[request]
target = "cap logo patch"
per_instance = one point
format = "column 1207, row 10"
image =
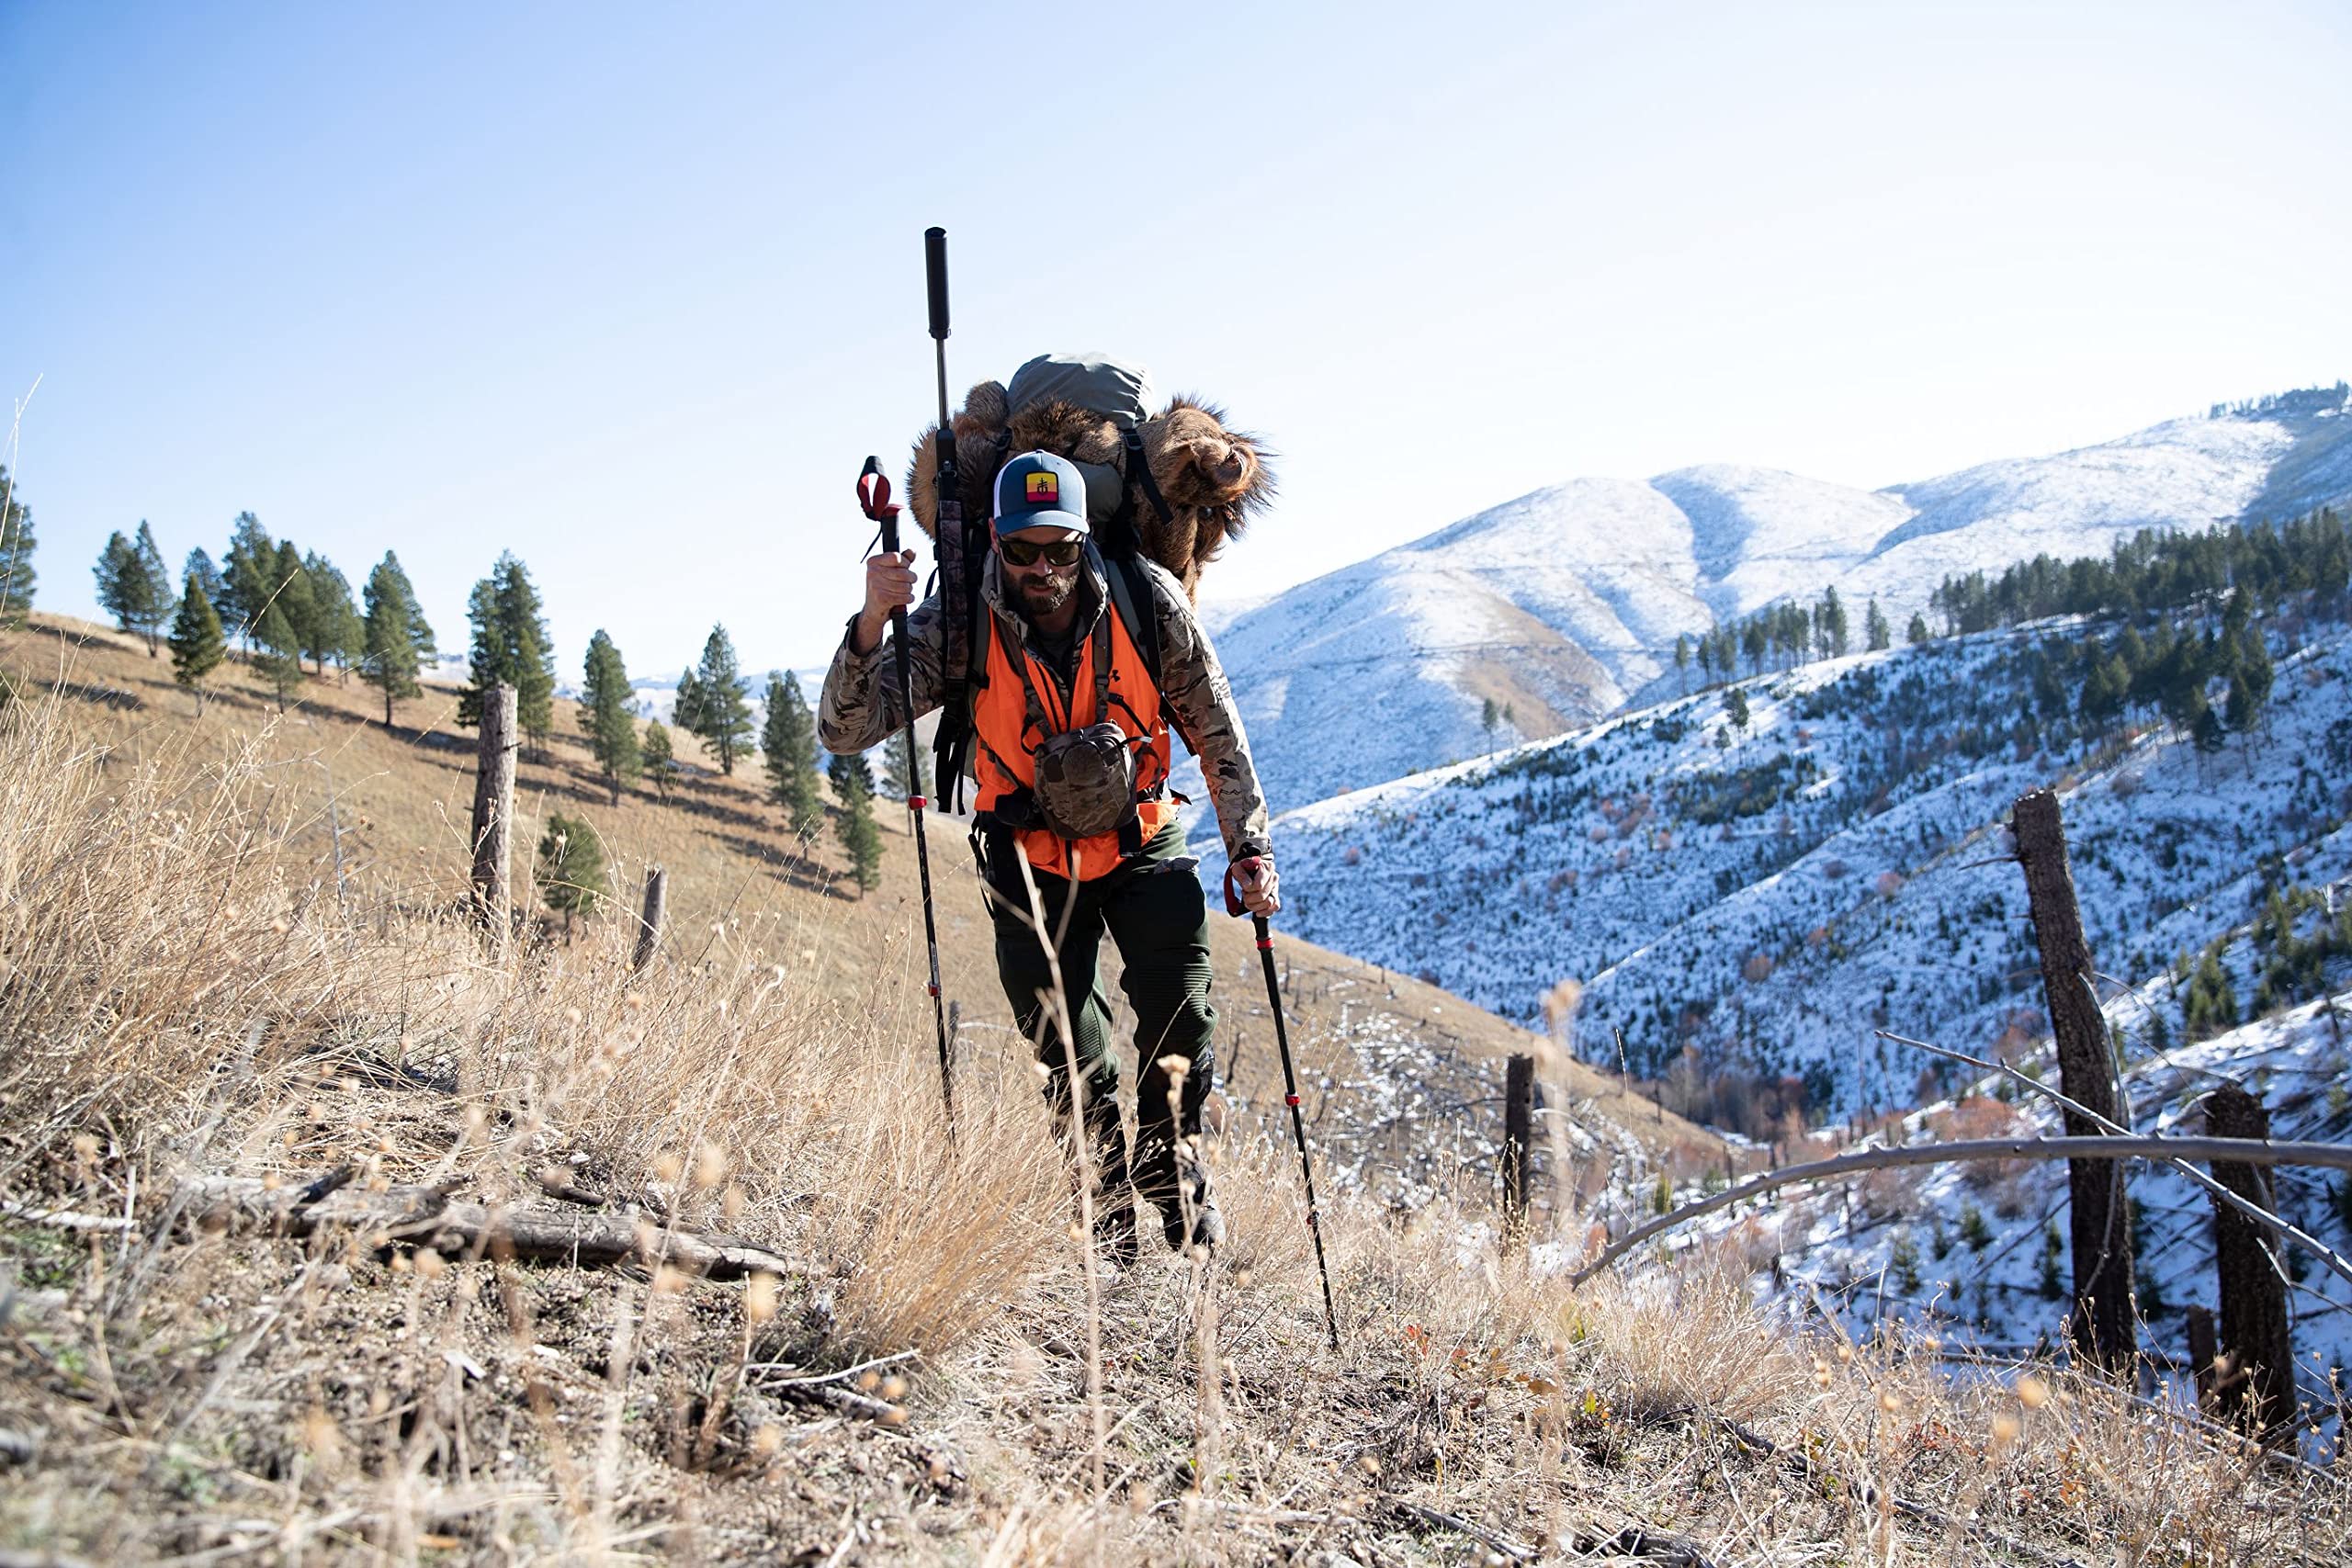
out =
column 1044, row 486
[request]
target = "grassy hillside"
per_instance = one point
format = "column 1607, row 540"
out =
column 334, row 1362
column 1396, row 1074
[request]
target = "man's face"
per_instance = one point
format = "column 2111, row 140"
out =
column 1026, row 558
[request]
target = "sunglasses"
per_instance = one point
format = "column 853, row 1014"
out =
column 1061, row 553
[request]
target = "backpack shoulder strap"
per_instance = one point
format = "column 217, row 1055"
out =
column 1130, row 597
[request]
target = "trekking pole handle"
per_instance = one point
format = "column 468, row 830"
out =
column 934, row 268
column 873, row 500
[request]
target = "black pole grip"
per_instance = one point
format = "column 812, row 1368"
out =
column 934, row 267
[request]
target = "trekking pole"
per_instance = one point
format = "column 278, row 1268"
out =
column 874, row 496
column 1290, row 1097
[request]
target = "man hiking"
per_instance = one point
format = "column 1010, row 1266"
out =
column 1072, row 759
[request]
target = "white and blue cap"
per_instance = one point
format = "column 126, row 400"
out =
column 1038, row 489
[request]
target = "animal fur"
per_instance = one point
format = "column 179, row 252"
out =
column 1215, row 479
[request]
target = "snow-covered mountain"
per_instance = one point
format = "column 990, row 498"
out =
column 1564, row 605
column 1767, row 896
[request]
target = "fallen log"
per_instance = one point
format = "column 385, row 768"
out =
column 2336, row 1156
column 428, row 1217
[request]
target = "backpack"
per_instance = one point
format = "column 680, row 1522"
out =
column 1090, row 408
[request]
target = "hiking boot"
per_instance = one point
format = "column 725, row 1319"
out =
column 1198, row 1194
column 1115, row 1230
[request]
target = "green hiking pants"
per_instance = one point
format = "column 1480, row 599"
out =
column 1153, row 908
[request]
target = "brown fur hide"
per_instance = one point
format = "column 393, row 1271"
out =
column 1214, row 477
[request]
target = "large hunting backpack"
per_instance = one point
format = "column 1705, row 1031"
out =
column 1168, row 486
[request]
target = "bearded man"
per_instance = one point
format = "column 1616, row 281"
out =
column 1070, row 760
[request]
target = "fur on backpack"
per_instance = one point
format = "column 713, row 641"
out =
column 1214, row 477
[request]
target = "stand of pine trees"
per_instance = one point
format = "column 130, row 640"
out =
column 135, row 587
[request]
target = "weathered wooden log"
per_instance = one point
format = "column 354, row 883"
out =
column 2332, row 1156
column 428, row 1217
column 494, row 813
column 2204, row 1350
column 2257, row 1349
column 2102, row 1323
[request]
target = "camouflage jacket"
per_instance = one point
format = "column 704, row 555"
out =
column 859, row 708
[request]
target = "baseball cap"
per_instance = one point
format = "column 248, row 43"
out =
column 1038, row 489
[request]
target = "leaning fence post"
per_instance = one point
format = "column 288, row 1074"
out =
column 494, row 814
column 649, row 919
column 2256, row 1379
column 2102, row 1323
column 1518, row 1125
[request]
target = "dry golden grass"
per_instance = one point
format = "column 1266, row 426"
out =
column 187, row 990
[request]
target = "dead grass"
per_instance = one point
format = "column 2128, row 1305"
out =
column 187, row 987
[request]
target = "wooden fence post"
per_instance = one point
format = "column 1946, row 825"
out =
column 2255, row 1379
column 649, row 919
column 2104, row 1332
column 2203, row 1350
column 1519, row 1126
column 494, row 814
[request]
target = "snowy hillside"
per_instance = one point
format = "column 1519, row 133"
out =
column 1766, row 896
column 1564, row 605
column 1980, row 1249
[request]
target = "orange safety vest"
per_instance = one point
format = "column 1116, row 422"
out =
column 1006, row 760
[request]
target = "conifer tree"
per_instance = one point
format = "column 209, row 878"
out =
column 571, row 871
column 394, row 641
column 278, row 651
column 1829, row 625
column 16, row 544
column 722, row 713
column 1683, row 661
column 1488, row 715
column 1876, row 634
column 126, row 591
column 607, row 714
column 510, row 644
column 655, row 752
column 248, row 577
column 1917, row 632
column 852, row 782
column 1735, row 707
column 333, row 629
column 293, row 594
column 789, row 741
column 197, row 645
column 199, row 568
column 901, row 772
column 686, row 707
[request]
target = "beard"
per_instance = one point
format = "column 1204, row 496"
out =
column 1042, row 596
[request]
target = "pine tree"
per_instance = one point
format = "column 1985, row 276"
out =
column 789, row 741
column 722, row 713
column 901, row 772
column 201, row 569
column 655, row 752
column 333, row 629
column 607, row 714
column 1683, row 661
column 1917, row 632
column 248, row 577
column 135, row 587
column 1488, row 715
column 16, row 545
column 124, row 589
column 510, row 644
column 1735, row 707
column 571, row 872
column 685, row 706
column 197, row 645
column 1829, row 625
column 853, row 787
column 278, row 651
column 394, row 640
column 1877, row 635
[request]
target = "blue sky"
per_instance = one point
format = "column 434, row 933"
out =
column 633, row 290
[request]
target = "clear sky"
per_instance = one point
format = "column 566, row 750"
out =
column 632, row 290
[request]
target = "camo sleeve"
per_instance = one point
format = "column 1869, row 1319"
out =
column 859, row 708
column 1200, row 703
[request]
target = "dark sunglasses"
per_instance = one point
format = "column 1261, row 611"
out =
column 1023, row 552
